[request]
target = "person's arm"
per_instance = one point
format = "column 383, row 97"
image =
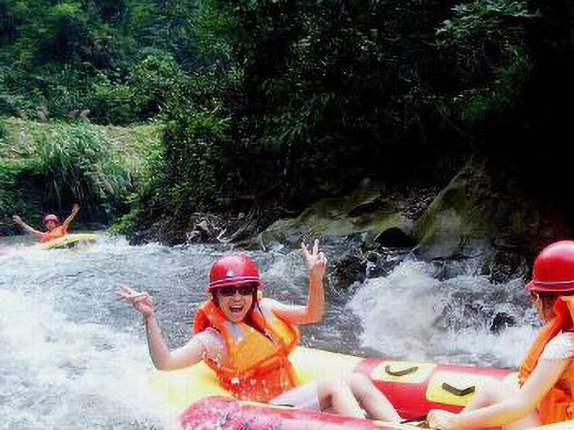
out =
column 542, row 379
column 26, row 227
column 162, row 358
column 313, row 311
column 71, row 217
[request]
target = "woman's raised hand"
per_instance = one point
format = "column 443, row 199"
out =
column 142, row 302
column 17, row 220
column 315, row 260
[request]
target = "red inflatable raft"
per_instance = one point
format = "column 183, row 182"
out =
column 414, row 388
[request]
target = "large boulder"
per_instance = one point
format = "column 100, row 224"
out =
column 482, row 218
column 368, row 212
column 481, row 223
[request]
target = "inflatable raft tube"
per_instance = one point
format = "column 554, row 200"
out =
column 414, row 388
column 70, row 241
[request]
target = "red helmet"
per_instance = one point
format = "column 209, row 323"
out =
column 51, row 217
column 233, row 270
column 554, row 268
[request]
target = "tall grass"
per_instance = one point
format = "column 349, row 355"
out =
column 46, row 167
column 79, row 158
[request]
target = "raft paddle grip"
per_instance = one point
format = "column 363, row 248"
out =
column 403, row 372
column 457, row 391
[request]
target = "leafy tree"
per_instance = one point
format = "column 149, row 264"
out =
column 67, row 55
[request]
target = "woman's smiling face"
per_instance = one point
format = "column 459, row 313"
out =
column 235, row 302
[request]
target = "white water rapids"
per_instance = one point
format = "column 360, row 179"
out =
column 73, row 357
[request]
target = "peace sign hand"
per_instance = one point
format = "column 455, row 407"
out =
column 142, row 302
column 315, row 260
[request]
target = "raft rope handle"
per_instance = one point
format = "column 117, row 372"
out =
column 403, row 372
column 458, row 392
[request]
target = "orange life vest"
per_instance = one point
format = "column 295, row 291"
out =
column 54, row 234
column 558, row 404
column 258, row 366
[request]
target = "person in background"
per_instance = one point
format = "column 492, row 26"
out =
column 54, row 229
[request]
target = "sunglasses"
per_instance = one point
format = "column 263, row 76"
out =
column 230, row 291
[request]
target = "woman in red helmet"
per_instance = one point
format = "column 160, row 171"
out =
column 545, row 393
column 53, row 228
column 247, row 339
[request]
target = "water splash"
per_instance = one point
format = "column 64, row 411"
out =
column 59, row 374
column 75, row 358
column 411, row 315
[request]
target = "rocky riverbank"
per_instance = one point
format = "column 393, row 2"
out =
column 479, row 223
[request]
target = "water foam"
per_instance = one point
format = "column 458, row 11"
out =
column 59, row 374
column 63, row 365
column 411, row 315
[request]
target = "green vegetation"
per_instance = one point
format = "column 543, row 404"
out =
column 111, row 61
column 48, row 167
column 270, row 105
column 301, row 100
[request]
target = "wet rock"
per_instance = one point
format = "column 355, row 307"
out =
column 350, row 268
column 208, row 228
column 501, row 321
column 203, row 232
column 507, row 265
column 479, row 213
column 395, row 238
column 369, row 210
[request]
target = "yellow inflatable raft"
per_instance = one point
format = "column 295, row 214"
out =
column 414, row 388
column 70, row 241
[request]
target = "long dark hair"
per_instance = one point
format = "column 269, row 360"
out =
column 545, row 300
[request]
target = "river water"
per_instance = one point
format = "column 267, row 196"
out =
column 73, row 357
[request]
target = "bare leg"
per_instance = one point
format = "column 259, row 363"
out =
column 371, row 399
column 336, row 394
column 486, row 396
column 496, row 392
